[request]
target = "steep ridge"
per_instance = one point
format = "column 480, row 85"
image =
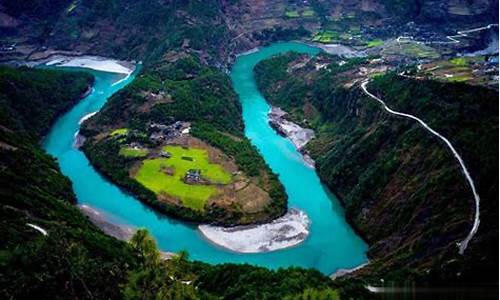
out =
column 74, row 258
column 465, row 242
column 402, row 188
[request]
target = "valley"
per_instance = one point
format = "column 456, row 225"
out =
column 357, row 139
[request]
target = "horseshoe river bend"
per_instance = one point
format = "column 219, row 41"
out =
column 331, row 244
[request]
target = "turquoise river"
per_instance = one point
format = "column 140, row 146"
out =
column 331, row 245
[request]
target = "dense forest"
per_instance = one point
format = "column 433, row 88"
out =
column 374, row 161
column 31, row 99
column 76, row 260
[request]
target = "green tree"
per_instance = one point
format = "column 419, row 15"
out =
column 313, row 294
column 156, row 279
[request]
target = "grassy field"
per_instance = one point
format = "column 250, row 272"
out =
column 153, row 174
column 132, row 152
column 410, row 49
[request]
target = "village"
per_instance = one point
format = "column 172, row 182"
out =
column 161, row 135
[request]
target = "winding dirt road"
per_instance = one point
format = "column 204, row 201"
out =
column 464, row 243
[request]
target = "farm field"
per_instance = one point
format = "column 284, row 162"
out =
column 166, row 175
column 325, row 37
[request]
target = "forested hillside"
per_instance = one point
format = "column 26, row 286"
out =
column 402, row 188
column 141, row 29
column 76, row 260
column 30, row 100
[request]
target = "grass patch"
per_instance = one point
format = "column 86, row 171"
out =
column 325, row 37
column 153, row 176
column 308, row 13
column 292, row 14
column 119, row 131
column 133, row 152
column 459, row 78
column 412, row 50
column 459, row 61
column 374, row 43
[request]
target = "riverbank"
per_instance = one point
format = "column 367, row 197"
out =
column 343, row 272
column 92, row 62
column 284, row 232
column 298, row 135
column 337, row 49
column 119, row 231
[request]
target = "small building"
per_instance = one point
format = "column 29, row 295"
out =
column 193, row 176
column 165, row 154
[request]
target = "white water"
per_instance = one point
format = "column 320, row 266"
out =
column 463, row 244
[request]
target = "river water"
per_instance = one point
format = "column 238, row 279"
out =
column 331, row 245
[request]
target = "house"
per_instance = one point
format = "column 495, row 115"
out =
column 193, row 176
column 165, row 154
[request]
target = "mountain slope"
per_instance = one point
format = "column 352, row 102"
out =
column 75, row 259
column 402, row 189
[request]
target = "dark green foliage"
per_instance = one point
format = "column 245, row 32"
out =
column 402, row 188
column 230, row 281
column 31, row 99
column 143, row 29
column 179, row 278
column 282, row 34
column 35, row 8
column 75, row 260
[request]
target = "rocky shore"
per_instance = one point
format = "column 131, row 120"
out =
column 92, row 62
column 287, row 231
column 298, row 136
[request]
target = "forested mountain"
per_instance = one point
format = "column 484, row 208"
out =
column 402, row 188
column 68, row 257
column 73, row 259
column 140, row 29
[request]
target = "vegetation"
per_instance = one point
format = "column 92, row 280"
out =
column 153, row 175
column 184, row 90
column 31, row 99
column 179, row 278
column 325, row 37
column 410, row 49
column 374, row 43
column 75, row 259
column 133, row 152
column 292, row 14
column 119, row 131
column 392, row 162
